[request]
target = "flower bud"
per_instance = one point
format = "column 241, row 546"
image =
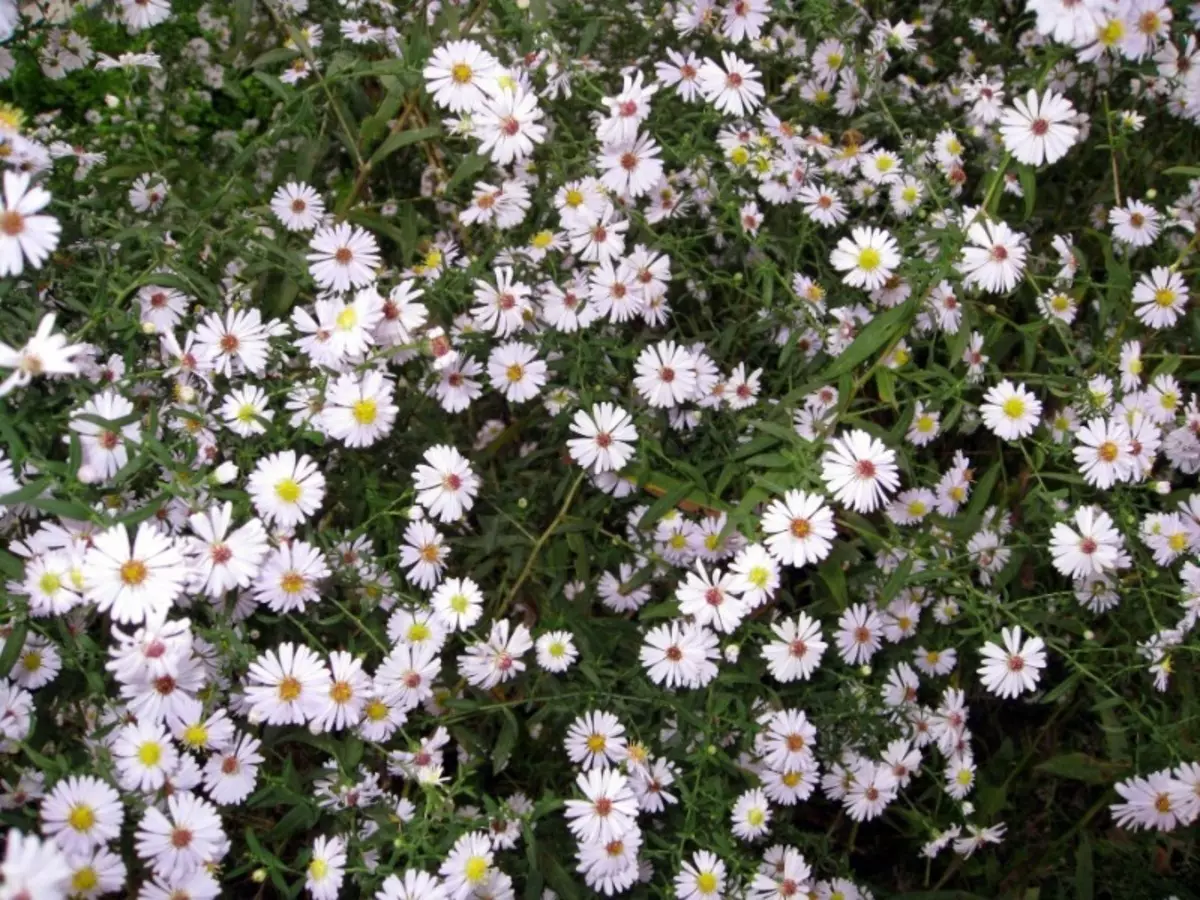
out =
column 225, row 473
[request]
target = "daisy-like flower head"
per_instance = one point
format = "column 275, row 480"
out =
column 1014, row 668
column 446, row 484
column 24, row 234
column 1092, row 547
column 798, row 528
column 868, row 258
column 606, row 436
column 286, row 489
column 860, row 471
column 1010, row 411
column 460, row 75
column 133, row 580
column 1037, row 130
column 343, row 257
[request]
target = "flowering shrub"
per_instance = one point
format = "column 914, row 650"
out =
column 701, row 449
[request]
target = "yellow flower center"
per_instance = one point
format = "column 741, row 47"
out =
column 1014, row 407
column 869, row 259
column 739, row 156
column 81, row 817
column 459, row 603
column 1164, row 297
column 318, row 869
column 376, row 710
column 756, row 817
column 1177, row 542
column 1111, row 33
column 574, row 198
column 460, row 73
column 32, row 661
column 291, row 582
column 133, row 572
column 246, row 413
column 84, row 880
column 433, row 258
column 925, row 423
column 149, row 754
column 963, row 777
column 916, row 508
column 347, row 319
column 418, row 632
column 706, row 882
column 759, row 576
column 288, row 490
column 515, row 372
column 542, row 239
column 476, row 869
column 195, row 735
column 596, row 743
column 289, row 689
column 341, row 692
column 364, row 411
column 49, row 583
column 834, row 60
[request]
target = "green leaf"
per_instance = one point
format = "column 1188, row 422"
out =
column 668, row 501
column 1028, row 188
column 274, row 85
column 274, row 56
column 25, row 493
column 398, row 139
column 374, row 124
column 470, row 166
column 1185, row 171
column 506, row 740
column 1085, row 872
column 13, row 644
column 588, row 36
column 667, row 609
column 1079, row 767
column 879, row 333
column 66, row 509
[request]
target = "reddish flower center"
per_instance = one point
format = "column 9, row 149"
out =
column 1039, row 127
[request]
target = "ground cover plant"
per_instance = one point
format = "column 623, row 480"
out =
column 531, row 448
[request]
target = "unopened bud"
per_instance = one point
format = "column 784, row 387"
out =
column 225, row 473
column 258, row 876
column 1162, row 487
